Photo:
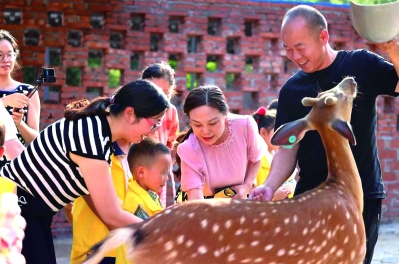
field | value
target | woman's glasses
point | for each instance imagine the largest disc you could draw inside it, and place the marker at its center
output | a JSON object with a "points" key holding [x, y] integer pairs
{"points": [[154, 126], [11, 56]]}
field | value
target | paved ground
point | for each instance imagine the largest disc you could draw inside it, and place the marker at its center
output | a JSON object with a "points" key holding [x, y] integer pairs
{"points": [[386, 252]]}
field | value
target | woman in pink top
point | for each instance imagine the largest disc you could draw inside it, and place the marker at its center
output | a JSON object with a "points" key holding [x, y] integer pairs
{"points": [[220, 149], [164, 76]]}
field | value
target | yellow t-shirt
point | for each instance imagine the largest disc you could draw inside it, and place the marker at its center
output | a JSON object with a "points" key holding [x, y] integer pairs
{"points": [[6, 186], [264, 170], [87, 228], [142, 204]]}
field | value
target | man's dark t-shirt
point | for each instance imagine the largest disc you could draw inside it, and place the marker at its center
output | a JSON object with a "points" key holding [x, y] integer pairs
{"points": [[375, 76]]}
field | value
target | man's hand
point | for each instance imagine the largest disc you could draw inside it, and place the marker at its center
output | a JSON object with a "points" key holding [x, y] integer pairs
{"points": [[262, 193]]}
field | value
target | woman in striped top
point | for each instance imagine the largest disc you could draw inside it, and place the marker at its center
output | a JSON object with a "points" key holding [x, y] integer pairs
{"points": [[71, 157]]}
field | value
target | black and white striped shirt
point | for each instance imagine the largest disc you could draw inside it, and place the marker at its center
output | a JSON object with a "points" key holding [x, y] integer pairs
{"points": [[45, 169]]}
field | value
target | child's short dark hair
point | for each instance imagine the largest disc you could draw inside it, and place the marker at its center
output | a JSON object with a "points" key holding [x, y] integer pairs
{"points": [[145, 152], [2, 133]]}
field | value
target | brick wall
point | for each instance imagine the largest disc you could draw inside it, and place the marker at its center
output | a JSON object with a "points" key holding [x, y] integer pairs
{"points": [[92, 42]]}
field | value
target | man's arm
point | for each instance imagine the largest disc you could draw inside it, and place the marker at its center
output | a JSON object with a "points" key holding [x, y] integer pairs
{"points": [[391, 48]]}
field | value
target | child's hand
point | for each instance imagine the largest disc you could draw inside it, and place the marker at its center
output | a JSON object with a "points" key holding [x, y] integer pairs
{"points": [[281, 194], [241, 191]]}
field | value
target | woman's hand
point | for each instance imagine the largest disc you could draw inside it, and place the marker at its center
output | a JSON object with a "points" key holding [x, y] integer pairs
{"points": [[16, 100], [17, 117]]}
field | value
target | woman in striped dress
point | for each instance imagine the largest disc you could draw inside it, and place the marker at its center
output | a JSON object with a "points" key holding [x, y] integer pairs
{"points": [[71, 157]]}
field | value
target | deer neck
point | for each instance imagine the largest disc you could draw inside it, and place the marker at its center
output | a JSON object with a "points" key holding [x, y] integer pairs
{"points": [[342, 168]]}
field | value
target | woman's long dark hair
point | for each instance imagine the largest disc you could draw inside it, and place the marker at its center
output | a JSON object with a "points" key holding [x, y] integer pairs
{"points": [[209, 95], [142, 95]]}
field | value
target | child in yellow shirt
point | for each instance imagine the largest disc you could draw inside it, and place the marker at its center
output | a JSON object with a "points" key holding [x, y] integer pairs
{"points": [[149, 162], [265, 118]]}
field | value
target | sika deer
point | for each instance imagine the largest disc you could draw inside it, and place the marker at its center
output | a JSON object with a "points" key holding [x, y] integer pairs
{"points": [[324, 225]]}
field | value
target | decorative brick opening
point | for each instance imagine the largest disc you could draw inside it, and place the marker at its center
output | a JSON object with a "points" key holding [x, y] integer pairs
{"points": [[52, 95], [232, 45], [338, 45], [95, 58], [97, 20], [213, 63], [155, 42], [251, 64], [173, 61], [74, 38], [136, 61], [12, 16], [137, 22], [232, 81], [193, 43], [272, 80], [175, 24], [53, 56], [32, 37], [73, 76], [93, 92], [114, 78], [251, 100], [54, 18], [115, 40], [192, 80], [30, 74], [214, 26], [251, 28]]}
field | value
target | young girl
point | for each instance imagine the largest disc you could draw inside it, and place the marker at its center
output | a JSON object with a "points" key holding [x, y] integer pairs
{"points": [[164, 76], [265, 120], [71, 157], [221, 150]]}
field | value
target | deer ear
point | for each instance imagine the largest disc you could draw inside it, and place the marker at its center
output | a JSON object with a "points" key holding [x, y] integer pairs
{"points": [[345, 130], [290, 133]]}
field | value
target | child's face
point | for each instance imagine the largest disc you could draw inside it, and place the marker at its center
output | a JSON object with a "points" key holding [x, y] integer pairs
{"points": [[157, 175], [164, 85]]}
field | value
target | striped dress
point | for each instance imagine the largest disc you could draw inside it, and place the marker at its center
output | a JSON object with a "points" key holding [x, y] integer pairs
{"points": [[45, 169]]}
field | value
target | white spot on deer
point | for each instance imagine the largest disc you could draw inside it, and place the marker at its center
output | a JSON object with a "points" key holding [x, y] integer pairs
{"points": [[295, 219], [221, 237], [318, 249], [277, 230], [332, 250], [254, 243], [305, 231], [291, 252], [242, 220], [269, 247], [194, 255], [286, 221], [301, 261], [202, 250], [168, 245], [255, 220], [204, 223], [189, 243], [256, 233], [168, 211], [190, 215], [324, 243], [333, 154], [227, 224], [216, 253], [311, 242], [346, 240], [257, 260], [180, 239], [355, 229], [281, 252], [238, 232], [231, 257], [274, 211], [342, 228], [265, 221], [241, 246], [324, 231], [300, 248], [215, 228], [172, 255], [248, 260], [353, 255], [263, 214], [339, 253]]}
